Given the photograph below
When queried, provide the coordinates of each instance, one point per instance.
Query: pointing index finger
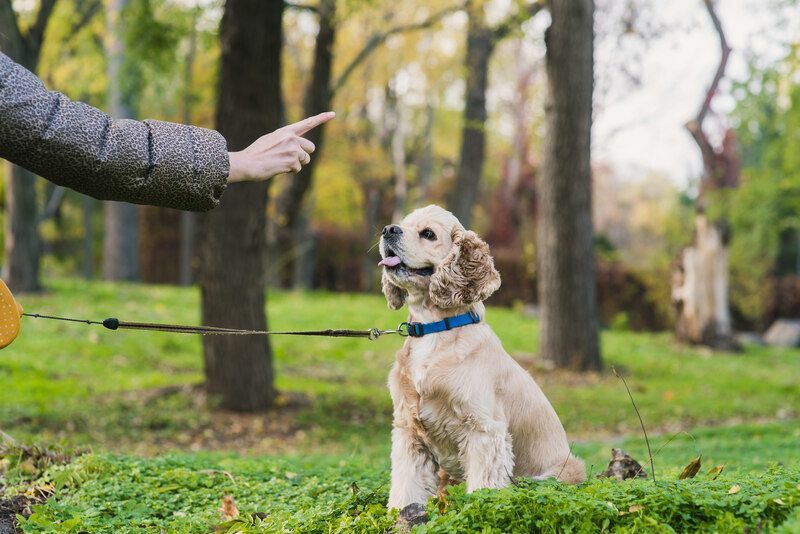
(310, 123)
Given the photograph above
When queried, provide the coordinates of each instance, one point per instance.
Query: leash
(11, 312)
(112, 323)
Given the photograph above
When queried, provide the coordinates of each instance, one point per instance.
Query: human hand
(284, 150)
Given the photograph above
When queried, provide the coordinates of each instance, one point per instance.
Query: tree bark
(188, 224)
(22, 245)
(567, 292)
(88, 237)
(22, 242)
(121, 224)
(291, 231)
(700, 278)
(480, 44)
(239, 369)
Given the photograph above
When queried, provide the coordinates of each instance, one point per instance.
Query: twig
(641, 422)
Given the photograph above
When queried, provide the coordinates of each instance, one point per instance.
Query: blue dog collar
(448, 323)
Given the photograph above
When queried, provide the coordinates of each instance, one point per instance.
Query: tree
(233, 236)
(700, 281)
(567, 292)
(22, 243)
(121, 226)
(481, 42)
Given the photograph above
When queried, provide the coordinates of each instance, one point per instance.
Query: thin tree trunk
(22, 244)
(233, 236)
(291, 230)
(425, 160)
(480, 44)
(88, 237)
(567, 289)
(188, 223)
(397, 146)
(121, 226)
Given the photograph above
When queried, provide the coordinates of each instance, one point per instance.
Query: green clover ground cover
(182, 493)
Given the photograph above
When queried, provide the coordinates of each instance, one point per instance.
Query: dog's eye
(428, 234)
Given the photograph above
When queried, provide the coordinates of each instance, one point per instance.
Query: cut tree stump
(700, 289)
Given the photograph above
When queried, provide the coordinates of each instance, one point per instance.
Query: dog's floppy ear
(467, 274)
(395, 296)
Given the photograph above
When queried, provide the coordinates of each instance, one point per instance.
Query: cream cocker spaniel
(463, 408)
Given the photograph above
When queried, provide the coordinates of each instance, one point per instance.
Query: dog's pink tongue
(391, 261)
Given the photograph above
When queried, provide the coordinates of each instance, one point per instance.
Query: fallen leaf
(636, 508)
(778, 501)
(716, 471)
(734, 489)
(290, 475)
(228, 508)
(690, 471)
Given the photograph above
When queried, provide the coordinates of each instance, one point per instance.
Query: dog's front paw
(412, 515)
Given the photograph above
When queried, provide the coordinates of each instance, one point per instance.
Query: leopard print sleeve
(80, 147)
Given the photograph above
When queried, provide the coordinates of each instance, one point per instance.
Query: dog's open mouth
(393, 262)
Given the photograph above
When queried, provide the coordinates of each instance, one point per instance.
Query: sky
(640, 130)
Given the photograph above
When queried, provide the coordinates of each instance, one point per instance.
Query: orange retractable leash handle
(10, 314)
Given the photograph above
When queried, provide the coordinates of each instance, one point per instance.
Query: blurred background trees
(443, 101)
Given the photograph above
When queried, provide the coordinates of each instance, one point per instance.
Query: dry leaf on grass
(734, 489)
(716, 471)
(691, 470)
(228, 508)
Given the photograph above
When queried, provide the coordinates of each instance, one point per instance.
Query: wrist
(236, 172)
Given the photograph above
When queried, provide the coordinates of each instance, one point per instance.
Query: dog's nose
(392, 229)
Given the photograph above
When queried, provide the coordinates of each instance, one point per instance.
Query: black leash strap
(112, 323)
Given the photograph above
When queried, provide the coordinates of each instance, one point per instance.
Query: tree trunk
(480, 44)
(22, 242)
(121, 226)
(188, 222)
(567, 289)
(22, 245)
(233, 236)
(88, 237)
(700, 280)
(700, 288)
(291, 232)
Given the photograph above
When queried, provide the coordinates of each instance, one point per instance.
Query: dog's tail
(573, 471)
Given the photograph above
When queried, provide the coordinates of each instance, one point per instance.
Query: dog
(464, 410)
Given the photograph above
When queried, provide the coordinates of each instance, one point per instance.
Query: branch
(514, 21)
(87, 9)
(10, 35)
(378, 39)
(695, 126)
(723, 62)
(54, 203)
(35, 34)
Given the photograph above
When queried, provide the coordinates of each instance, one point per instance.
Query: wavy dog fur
(464, 410)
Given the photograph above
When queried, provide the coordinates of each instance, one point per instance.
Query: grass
(50, 374)
(134, 398)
